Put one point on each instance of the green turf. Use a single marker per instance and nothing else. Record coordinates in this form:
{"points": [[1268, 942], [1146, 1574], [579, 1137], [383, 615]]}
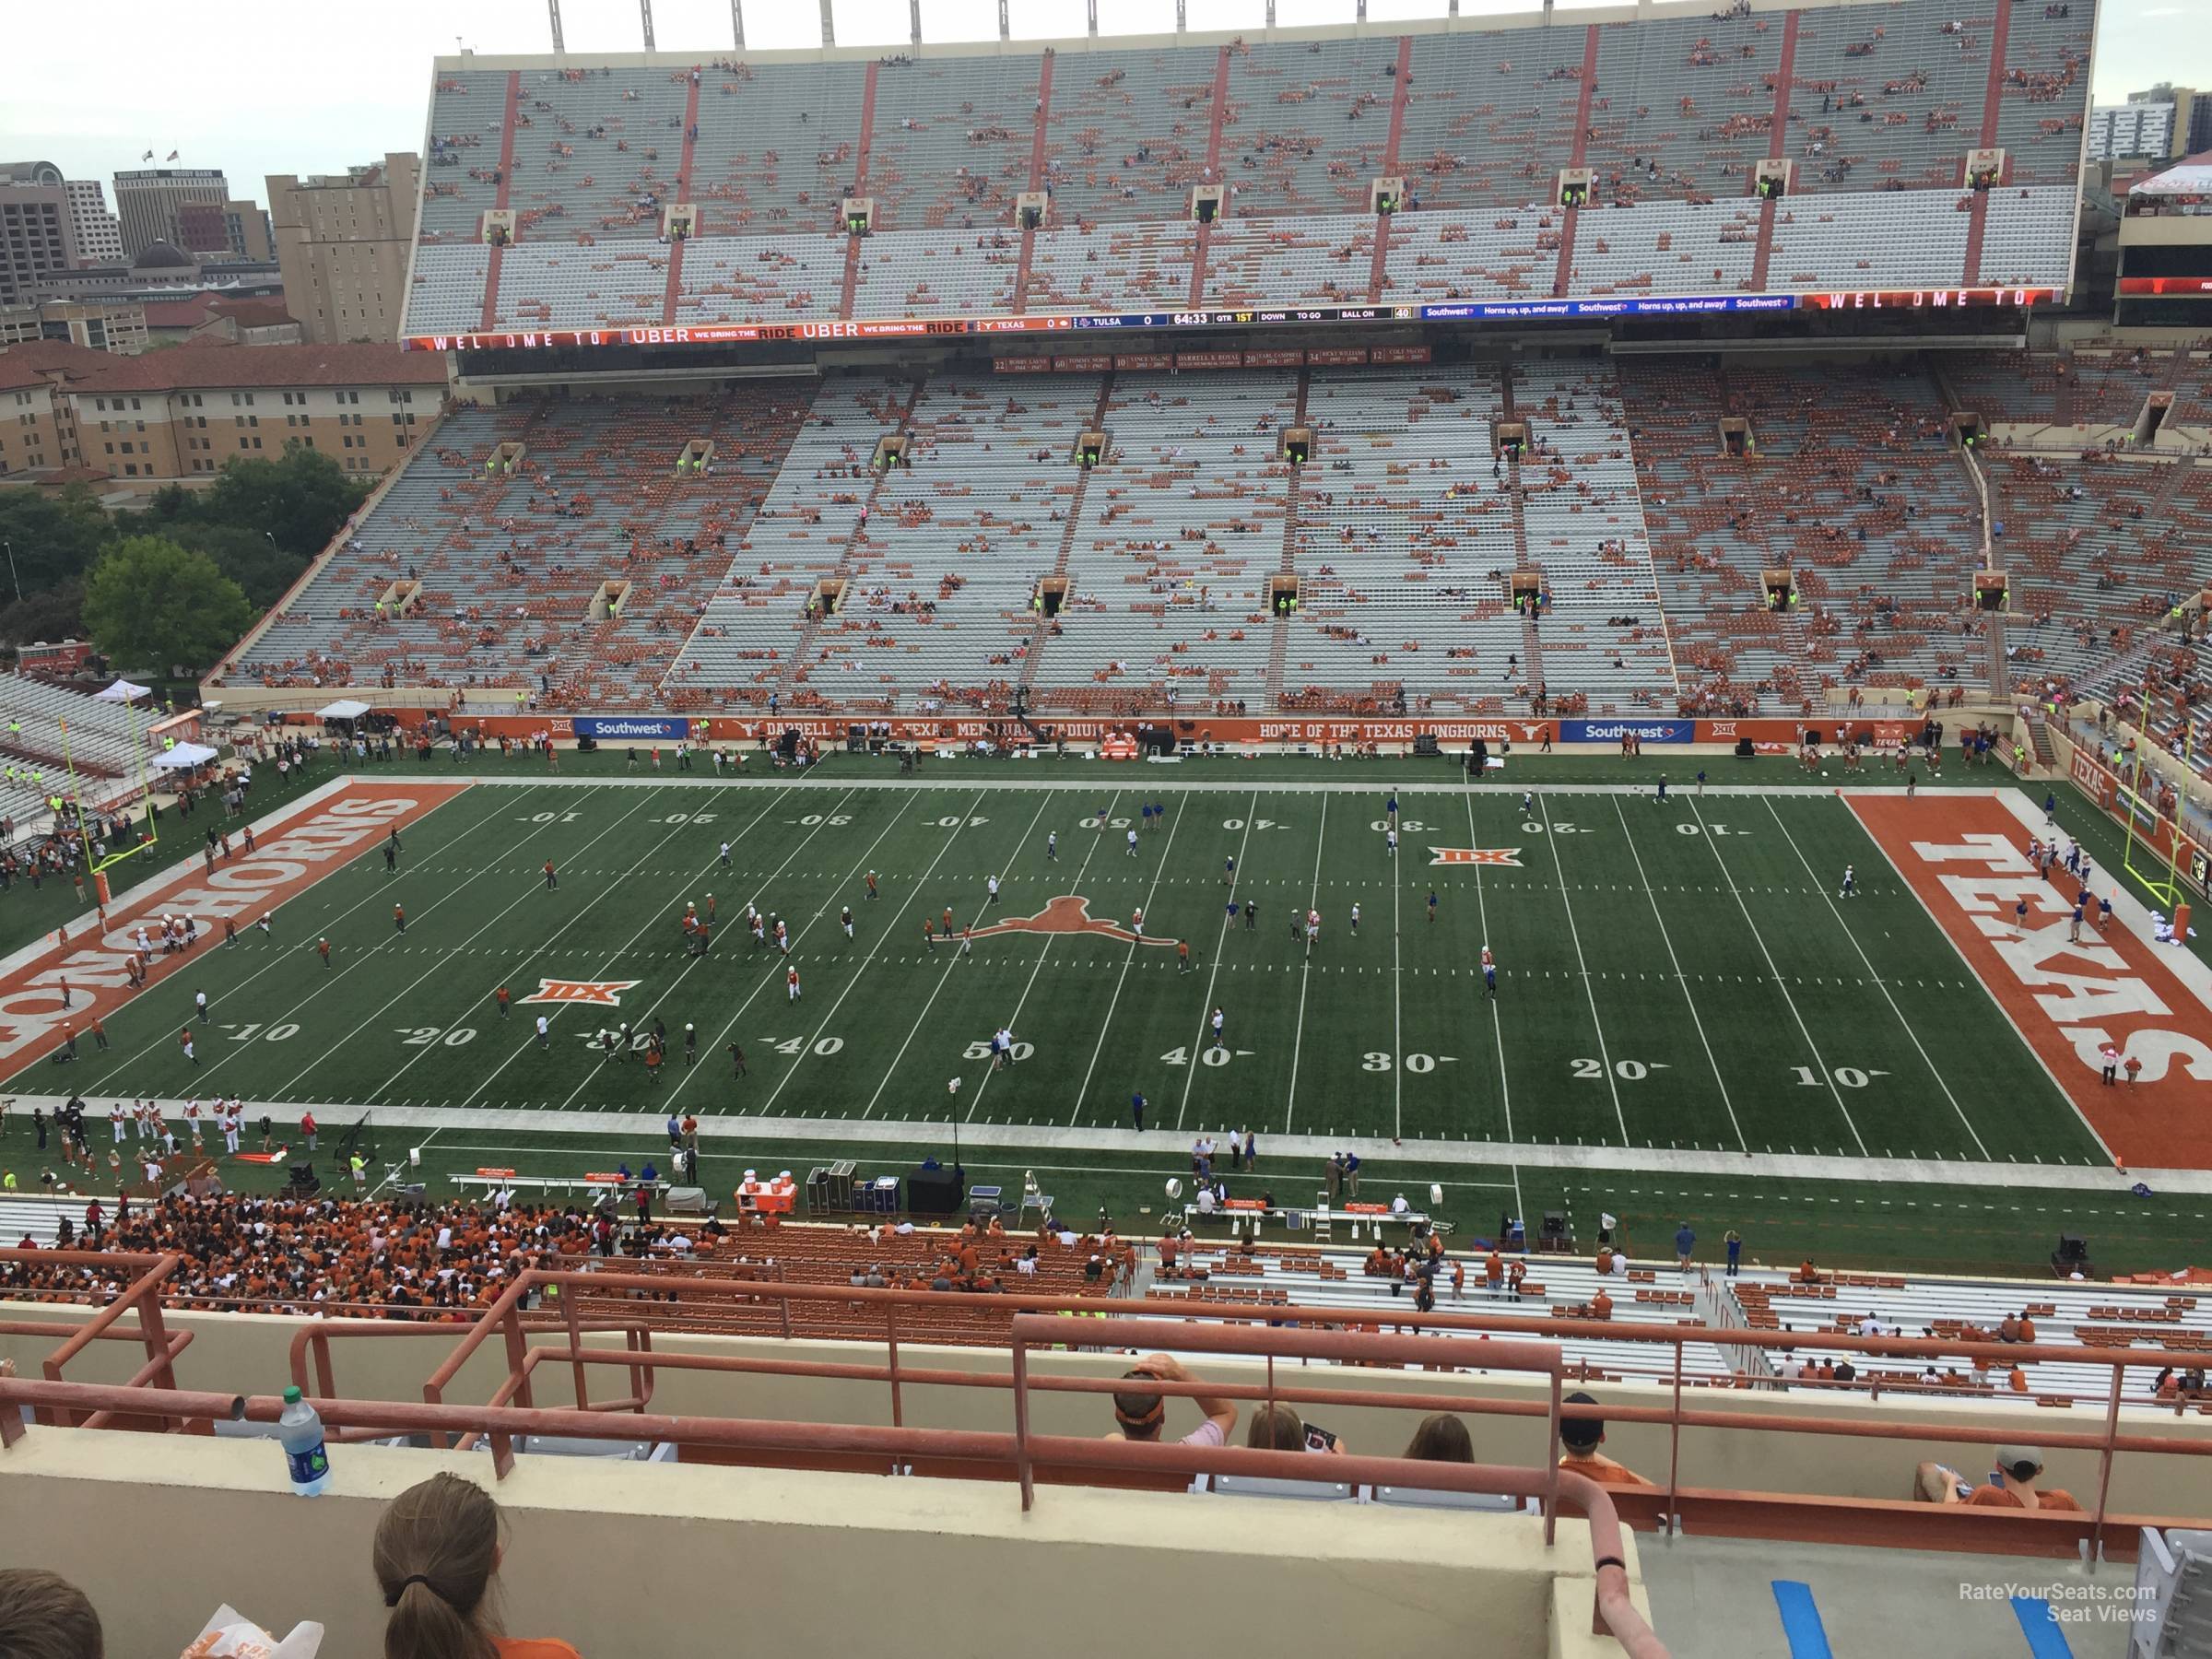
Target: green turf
{"points": [[1384, 1033], [1798, 1022]]}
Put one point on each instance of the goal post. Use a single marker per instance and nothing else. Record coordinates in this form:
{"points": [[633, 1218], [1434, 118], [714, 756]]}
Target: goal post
{"points": [[2139, 855]]}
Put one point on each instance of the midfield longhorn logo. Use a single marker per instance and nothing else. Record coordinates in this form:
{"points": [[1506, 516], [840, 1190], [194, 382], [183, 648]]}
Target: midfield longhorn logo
{"points": [[1068, 914], [1476, 855], [606, 993]]}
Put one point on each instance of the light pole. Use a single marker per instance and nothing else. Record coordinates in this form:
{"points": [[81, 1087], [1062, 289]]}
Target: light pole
{"points": [[11, 570]]}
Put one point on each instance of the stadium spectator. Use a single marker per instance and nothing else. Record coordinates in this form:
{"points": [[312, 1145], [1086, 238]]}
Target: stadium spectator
{"points": [[1279, 1429], [1141, 1413], [1442, 1438], [2011, 1484], [1582, 1432], [43, 1615], [436, 1553]]}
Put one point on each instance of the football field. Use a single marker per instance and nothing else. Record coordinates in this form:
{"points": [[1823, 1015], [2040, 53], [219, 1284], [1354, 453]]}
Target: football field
{"points": [[1676, 975]]}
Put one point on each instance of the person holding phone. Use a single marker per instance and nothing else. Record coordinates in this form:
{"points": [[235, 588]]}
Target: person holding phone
{"points": [[1279, 1429]]}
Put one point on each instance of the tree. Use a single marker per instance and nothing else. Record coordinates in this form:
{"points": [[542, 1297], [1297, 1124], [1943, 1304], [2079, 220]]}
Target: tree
{"points": [[53, 539], [301, 498], [244, 556], [51, 614], [151, 604]]}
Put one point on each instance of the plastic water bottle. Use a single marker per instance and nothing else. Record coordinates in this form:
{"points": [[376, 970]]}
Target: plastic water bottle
{"points": [[299, 1432]]}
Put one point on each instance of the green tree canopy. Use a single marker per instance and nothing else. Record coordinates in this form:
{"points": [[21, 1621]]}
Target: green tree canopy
{"points": [[301, 499], [151, 604]]}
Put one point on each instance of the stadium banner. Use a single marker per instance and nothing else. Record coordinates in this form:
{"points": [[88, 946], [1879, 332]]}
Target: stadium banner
{"points": [[1471, 311], [1400, 354], [1768, 736], [1612, 731], [1021, 365], [1095, 363], [2167, 288], [630, 728]]}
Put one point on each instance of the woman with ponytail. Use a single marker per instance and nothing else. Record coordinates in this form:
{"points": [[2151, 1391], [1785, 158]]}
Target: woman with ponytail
{"points": [[437, 1550]]}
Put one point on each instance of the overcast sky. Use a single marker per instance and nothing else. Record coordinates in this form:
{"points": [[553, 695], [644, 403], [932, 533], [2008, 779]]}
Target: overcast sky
{"points": [[262, 87]]}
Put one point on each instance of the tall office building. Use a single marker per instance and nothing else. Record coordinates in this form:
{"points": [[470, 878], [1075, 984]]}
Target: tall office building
{"points": [[148, 203], [342, 242], [97, 236], [240, 230], [37, 243]]}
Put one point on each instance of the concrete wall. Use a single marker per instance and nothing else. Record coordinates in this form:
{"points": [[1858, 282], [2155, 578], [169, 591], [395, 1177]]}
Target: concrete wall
{"points": [[635, 1559], [241, 1353]]}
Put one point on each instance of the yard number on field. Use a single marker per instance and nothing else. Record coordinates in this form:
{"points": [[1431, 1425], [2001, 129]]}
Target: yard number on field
{"points": [[1627, 1071], [824, 1047], [423, 1036], [276, 1033], [1376, 1060], [1850, 1076]]}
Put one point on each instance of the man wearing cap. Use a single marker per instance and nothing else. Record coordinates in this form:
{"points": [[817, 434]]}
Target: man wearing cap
{"points": [[2011, 1484], [1582, 1432]]}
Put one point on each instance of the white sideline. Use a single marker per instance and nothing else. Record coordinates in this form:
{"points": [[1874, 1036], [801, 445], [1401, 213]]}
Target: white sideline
{"points": [[647, 1125]]}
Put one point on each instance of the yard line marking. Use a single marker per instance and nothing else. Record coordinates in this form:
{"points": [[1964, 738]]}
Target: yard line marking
{"points": [[778, 960], [1589, 990], [1305, 977], [281, 958], [1397, 1008], [1680, 977], [1705, 834], [870, 961], [382, 1090], [1220, 944], [522, 1048], [370, 954], [1050, 940], [1482, 912], [1083, 1092], [1827, 900], [892, 1070]]}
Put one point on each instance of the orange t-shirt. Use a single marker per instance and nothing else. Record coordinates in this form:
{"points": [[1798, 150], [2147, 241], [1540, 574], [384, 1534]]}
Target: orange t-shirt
{"points": [[1990, 1497], [533, 1647], [1602, 1470]]}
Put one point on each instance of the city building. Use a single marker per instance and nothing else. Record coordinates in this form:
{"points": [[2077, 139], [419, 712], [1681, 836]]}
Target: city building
{"points": [[210, 315], [113, 325], [180, 414], [239, 228], [2161, 122], [99, 237], [37, 243], [148, 202], [342, 241]]}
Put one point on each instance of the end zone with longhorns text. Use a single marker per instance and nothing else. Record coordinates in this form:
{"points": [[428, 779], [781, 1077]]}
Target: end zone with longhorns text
{"points": [[1966, 859], [296, 848]]}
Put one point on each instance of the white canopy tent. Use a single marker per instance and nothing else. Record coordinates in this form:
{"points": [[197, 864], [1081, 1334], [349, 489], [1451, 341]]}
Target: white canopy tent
{"points": [[184, 758], [345, 708], [123, 691]]}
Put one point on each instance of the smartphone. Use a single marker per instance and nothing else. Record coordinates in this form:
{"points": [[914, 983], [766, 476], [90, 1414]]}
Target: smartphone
{"points": [[1319, 1439]]}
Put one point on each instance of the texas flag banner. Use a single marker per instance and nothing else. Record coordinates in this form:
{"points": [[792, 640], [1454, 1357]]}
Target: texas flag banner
{"points": [[1476, 855]]}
